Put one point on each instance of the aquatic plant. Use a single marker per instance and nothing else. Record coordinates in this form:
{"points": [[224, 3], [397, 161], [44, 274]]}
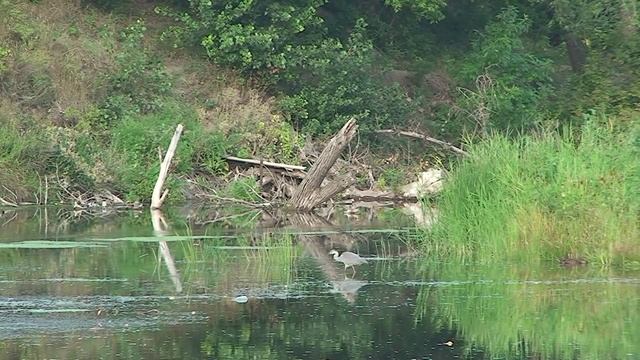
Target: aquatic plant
{"points": [[545, 196]]}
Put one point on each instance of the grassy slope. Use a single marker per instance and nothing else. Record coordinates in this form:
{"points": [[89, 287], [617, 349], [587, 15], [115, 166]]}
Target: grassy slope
{"points": [[57, 101]]}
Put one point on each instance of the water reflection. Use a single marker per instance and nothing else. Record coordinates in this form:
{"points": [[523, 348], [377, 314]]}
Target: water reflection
{"points": [[348, 288], [160, 229], [548, 311], [145, 286]]}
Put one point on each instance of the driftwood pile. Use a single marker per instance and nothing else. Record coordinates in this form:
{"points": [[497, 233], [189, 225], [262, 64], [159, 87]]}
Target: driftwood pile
{"points": [[288, 186], [291, 186], [327, 178]]}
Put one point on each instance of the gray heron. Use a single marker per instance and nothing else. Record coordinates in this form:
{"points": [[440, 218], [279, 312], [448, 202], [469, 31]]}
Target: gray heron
{"points": [[348, 258]]}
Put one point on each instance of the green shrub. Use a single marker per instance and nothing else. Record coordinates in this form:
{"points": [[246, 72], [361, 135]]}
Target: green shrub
{"points": [[323, 80], [325, 93], [392, 178], [245, 188], [137, 139], [507, 83], [252, 36], [4, 55], [209, 152], [139, 82], [21, 144]]}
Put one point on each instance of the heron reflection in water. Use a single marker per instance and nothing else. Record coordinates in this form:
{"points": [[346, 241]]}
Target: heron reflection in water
{"points": [[349, 259], [348, 288]]}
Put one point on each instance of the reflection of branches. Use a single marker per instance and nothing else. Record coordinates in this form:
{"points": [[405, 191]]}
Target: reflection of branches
{"points": [[160, 228], [256, 213], [171, 266], [15, 214]]}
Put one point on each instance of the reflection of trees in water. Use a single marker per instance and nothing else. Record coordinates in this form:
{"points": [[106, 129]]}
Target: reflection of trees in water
{"points": [[318, 328], [550, 313]]}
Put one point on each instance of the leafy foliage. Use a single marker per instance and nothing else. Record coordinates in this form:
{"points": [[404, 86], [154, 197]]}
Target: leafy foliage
{"points": [[323, 80], [252, 35], [334, 91], [4, 55], [430, 9], [509, 81]]}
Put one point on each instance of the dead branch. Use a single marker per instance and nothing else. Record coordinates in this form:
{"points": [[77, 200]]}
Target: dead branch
{"points": [[265, 163], [7, 203], [308, 194], [416, 135], [156, 198], [238, 201]]}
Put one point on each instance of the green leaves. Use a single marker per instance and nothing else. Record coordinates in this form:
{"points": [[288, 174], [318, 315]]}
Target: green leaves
{"points": [[428, 9], [254, 36], [510, 82], [322, 80]]}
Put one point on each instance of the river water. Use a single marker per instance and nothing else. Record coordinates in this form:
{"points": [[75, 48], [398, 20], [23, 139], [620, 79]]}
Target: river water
{"points": [[250, 286]]}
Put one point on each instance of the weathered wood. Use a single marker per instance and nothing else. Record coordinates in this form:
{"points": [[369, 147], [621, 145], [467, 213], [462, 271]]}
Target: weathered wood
{"points": [[416, 135], [158, 196], [373, 195], [308, 194], [265, 163], [325, 193]]}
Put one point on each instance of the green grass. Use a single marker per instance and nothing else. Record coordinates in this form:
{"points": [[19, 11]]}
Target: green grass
{"points": [[545, 197]]}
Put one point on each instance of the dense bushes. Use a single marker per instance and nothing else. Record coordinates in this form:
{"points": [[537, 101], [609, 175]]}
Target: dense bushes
{"points": [[510, 83], [331, 92], [138, 83], [322, 80]]}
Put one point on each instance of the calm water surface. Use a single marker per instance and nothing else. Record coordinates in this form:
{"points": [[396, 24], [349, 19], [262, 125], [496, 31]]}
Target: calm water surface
{"points": [[136, 286]]}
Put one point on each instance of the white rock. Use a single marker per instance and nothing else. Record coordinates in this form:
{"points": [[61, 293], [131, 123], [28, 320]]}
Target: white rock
{"points": [[241, 299], [429, 182]]}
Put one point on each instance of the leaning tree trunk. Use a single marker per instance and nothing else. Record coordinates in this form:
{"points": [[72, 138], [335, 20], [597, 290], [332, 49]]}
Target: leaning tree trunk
{"points": [[576, 50], [158, 196], [309, 193]]}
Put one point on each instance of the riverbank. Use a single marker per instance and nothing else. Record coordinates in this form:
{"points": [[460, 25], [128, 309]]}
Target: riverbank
{"points": [[89, 95]]}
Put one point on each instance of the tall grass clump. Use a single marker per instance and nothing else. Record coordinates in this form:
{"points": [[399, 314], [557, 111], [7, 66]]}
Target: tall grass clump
{"points": [[546, 196]]}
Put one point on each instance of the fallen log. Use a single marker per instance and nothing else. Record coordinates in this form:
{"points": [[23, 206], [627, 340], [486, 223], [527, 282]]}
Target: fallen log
{"points": [[309, 193], [373, 195], [415, 135]]}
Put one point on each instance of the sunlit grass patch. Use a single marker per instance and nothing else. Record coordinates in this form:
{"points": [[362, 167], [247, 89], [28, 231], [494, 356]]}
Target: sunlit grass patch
{"points": [[545, 197]]}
